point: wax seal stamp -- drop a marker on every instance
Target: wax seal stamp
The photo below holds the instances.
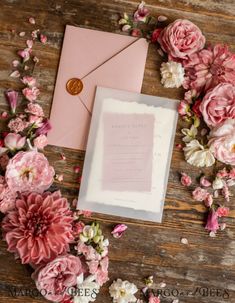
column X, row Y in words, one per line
column 74, row 86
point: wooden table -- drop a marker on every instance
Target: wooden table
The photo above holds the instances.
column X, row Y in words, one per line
column 202, row 266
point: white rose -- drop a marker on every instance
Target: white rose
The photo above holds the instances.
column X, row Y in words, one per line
column 172, row 74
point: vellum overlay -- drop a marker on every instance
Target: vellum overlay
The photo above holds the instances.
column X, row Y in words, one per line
column 130, row 155
column 128, row 151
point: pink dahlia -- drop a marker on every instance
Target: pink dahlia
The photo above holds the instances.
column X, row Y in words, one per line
column 218, row 104
column 55, row 279
column 29, row 172
column 39, row 228
column 7, row 197
column 209, row 67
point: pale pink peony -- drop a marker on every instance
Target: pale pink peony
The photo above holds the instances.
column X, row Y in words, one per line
column 141, row 13
column 34, row 109
column 212, row 221
column 185, row 179
column 55, row 279
column 181, row 38
column 31, row 93
column 222, row 142
column 7, row 197
column 209, row 67
column 29, row 172
column 17, row 125
column 40, row 142
column 199, row 194
column 39, row 228
column 218, row 104
column 12, row 98
column 28, row 80
column 14, row 141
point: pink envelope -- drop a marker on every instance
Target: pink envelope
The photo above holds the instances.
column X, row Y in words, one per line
column 98, row 59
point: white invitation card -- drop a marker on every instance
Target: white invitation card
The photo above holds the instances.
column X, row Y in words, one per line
column 128, row 155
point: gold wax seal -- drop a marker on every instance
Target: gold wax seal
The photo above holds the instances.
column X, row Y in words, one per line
column 74, row 86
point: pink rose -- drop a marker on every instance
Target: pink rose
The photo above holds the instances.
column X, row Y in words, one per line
column 37, row 121
column 212, row 221
column 34, row 109
column 14, row 141
column 17, row 125
column 208, row 200
column 222, row 142
column 199, row 194
column 222, row 211
column 31, row 93
column 185, row 179
column 55, row 279
column 40, row 142
column 181, row 39
column 29, row 172
column 218, row 104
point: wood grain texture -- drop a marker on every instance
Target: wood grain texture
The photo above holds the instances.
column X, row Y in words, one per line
column 147, row 248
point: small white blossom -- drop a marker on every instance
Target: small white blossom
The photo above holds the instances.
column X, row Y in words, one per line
column 87, row 289
column 172, row 74
column 190, row 134
column 123, row 291
column 218, row 183
column 197, row 155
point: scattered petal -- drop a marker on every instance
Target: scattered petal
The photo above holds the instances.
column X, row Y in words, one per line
column 175, row 301
column 126, row 28
column 222, row 226
column 216, row 194
column 119, row 230
column 77, row 169
column 160, row 52
column 15, row 74
column 184, row 241
column 212, row 234
column 59, row 178
column 205, row 182
column 15, row 63
column 162, row 18
column 4, row 115
column 26, row 67
column 32, row 20
column 179, row 146
column 29, row 43
column 162, row 284
column 43, row 38
column 185, row 179
column 62, row 156
column 22, row 34
column 204, row 131
column 35, row 59
column 34, row 34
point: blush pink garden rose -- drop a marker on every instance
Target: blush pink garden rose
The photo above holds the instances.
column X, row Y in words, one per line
column 222, row 142
column 181, row 38
column 57, row 277
column 218, row 104
column 39, row 228
column 29, row 172
column 209, row 67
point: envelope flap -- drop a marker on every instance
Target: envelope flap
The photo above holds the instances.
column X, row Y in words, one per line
column 85, row 49
column 125, row 71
